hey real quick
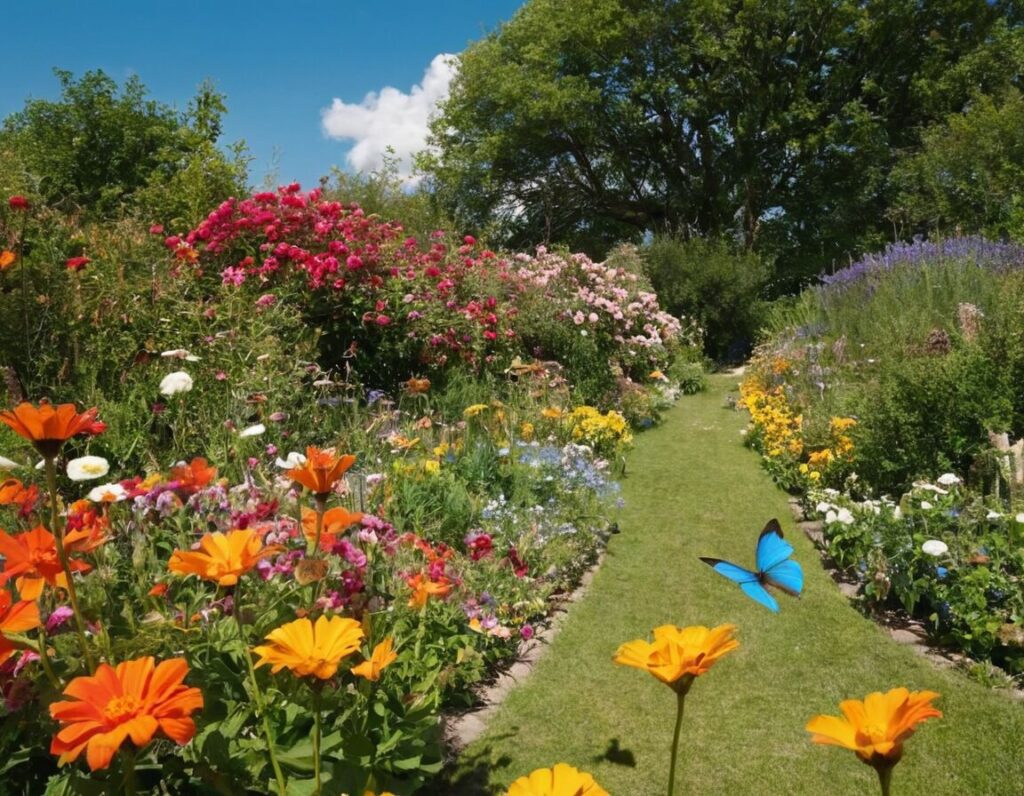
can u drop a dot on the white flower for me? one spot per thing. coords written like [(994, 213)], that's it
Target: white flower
[(252, 431), (293, 460), (926, 505), (176, 382), (86, 468), (897, 513), (180, 353), (107, 493), (930, 487), (831, 517), (7, 464), (934, 547), (845, 516), (948, 479), (993, 515), (822, 507), (1020, 518), (374, 478)]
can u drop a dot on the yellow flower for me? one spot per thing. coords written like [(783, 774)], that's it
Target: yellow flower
[(678, 655), (561, 780), (552, 413), (311, 649), (474, 410), (432, 466), (526, 431), (383, 655), (876, 728)]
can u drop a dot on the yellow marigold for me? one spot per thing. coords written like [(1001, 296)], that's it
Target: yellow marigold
[(561, 780), (474, 410), (678, 655), (311, 649)]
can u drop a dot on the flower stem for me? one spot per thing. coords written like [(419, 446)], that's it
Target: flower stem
[(57, 529), (128, 764), (321, 506), (680, 699), (257, 694), (44, 660), (885, 778), (316, 738)]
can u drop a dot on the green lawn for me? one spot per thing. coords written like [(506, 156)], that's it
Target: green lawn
[(692, 490)]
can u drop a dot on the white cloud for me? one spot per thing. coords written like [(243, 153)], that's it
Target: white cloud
[(390, 118)]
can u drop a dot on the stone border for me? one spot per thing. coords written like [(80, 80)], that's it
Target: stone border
[(459, 730), (902, 629)]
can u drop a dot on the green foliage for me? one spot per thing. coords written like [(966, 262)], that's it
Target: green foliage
[(706, 281), (929, 414), (101, 144), (968, 174), (776, 123)]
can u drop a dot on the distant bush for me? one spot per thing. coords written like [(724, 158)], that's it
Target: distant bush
[(719, 288)]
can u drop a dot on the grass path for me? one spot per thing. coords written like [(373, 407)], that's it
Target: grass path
[(693, 490)]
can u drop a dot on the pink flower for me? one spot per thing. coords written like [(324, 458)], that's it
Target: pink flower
[(354, 262), (469, 240), (383, 320), (526, 632), (61, 614), (266, 300), (221, 375), (156, 229)]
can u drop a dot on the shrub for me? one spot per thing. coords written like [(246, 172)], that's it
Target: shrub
[(706, 280)]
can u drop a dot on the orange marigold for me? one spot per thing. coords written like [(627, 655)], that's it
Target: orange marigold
[(15, 617), (48, 427), (31, 558), (321, 471), (134, 701), (221, 557)]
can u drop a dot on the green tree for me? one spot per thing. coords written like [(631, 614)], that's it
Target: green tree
[(100, 144), (776, 122)]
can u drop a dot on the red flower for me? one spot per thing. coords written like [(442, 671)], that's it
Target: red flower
[(18, 202), (77, 263)]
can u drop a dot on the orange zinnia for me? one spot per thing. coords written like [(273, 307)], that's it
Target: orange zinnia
[(132, 701), (383, 655), (222, 557), (417, 386), (7, 258), (194, 475), (15, 493), (336, 521), (877, 727), (678, 655), (311, 649), (48, 427), (32, 559), (15, 617), (423, 588), (562, 780), (321, 471)]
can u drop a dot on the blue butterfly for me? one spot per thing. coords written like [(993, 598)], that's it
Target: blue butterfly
[(774, 568)]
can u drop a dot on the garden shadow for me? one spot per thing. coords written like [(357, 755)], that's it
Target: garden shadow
[(617, 755), (470, 774)]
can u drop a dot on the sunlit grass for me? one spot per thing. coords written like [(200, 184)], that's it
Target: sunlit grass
[(693, 490)]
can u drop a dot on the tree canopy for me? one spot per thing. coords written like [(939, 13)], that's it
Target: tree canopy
[(102, 145), (775, 123)]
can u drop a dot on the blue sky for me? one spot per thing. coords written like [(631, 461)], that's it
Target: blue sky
[(280, 64)]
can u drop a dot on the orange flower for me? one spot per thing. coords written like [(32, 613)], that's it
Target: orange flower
[(678, 655), (195, 475), (311, 649), (159, 590), (86, 529), (423, 588), (562, 780), (48, 427), (32, 559), (383, 655), (15, 617), (417, 386), (877, 727), (336, 521), (15, 493), (321, 471), (7, 258), (222, 557), (132, 701)]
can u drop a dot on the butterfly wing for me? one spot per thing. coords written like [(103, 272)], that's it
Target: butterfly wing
[(774, 565), (772, 548), (731, 571), (759, 593), (747, 580)]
